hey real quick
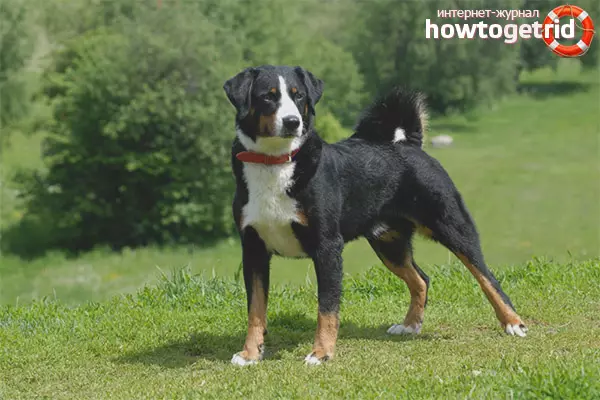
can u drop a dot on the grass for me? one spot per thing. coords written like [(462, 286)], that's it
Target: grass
[(175, 341), (528, 170), (137, 325)]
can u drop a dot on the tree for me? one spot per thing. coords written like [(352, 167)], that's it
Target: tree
[(16, 46), (140, 146), (592, 58), (65, 20), (300, 36), (293, 33), (391, 48), (534, 52)]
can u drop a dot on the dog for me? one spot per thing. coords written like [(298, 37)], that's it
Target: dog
[(298, 196)]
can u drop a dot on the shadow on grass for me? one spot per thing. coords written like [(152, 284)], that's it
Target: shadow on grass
[(542, 90), (287, 332)]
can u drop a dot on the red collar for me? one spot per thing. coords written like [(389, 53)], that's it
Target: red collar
[(259, 158)]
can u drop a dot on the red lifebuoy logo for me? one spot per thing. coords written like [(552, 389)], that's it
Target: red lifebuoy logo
[(551, 23)]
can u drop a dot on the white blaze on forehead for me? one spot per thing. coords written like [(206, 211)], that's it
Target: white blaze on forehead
[(286, 108)]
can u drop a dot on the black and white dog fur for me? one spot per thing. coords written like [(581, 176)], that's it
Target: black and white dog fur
[(378, 184)]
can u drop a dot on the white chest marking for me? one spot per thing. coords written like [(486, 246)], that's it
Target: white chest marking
[(269, 209)]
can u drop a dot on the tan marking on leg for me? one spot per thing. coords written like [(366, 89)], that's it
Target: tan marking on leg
[(416, 286), (388, 236), (505, 314), (424, 231), (421, 229), (266, 125), (302, 218), (257, 323), (326, 335)]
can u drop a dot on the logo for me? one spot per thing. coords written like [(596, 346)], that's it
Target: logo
[(551, 31)]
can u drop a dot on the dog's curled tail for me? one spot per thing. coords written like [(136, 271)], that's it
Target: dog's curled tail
[(400, 116)]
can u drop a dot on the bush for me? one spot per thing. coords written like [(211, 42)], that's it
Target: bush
[(591, 59), (535, 53), (330, 129), (251, 27), (16, 46), (343, 96), (457, 75), (262, 42), (139, 150)]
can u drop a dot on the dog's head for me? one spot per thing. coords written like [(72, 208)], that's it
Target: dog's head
[(275, 106)]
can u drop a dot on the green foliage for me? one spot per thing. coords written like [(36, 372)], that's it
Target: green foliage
[(534, 52), (16, 46), (391, 48), (277, 32), (261, 40), (137, 153), (330, 129), (344, 95), (138, 150), (63, 20), (591, 59)]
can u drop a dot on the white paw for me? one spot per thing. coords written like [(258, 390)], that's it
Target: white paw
[(400, 329), (312, 360), (239, 360), (516, 329)]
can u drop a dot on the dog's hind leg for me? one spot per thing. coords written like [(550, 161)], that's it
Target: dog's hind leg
[(457, 232), (394, 249)]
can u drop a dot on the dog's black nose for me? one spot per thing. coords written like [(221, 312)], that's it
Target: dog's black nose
[(291, 122)]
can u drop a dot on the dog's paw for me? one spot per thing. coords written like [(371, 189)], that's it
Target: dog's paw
[(518, 329), (400, 329), (314, 359), (239, 359)]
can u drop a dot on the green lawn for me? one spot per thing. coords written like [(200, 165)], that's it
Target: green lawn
[(528, 169), (176, 341)]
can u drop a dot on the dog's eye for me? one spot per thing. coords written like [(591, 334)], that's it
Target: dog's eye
[(270, 96), (299, 96)]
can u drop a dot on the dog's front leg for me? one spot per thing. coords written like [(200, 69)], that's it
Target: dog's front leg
[(255, 260), (328, 267)]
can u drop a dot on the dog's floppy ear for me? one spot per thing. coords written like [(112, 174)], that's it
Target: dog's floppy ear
[(314, 86), (238, 90)]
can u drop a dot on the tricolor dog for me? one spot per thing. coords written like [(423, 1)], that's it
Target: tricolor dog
[(298, 196)]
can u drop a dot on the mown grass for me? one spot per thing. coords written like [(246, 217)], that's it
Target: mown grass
[(176, 340), (528, 169)]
